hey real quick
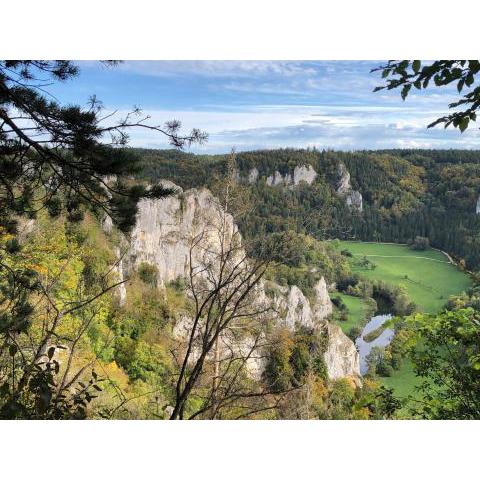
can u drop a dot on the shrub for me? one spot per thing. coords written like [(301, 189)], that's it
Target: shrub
[(148, 273), (354, 332), (339, 303), (420, 243)]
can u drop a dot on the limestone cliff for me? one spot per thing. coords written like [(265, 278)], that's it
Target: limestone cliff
[(293, 308), (252, 175), (353, 198), (341, 357), (166, 228), (163, 236), (301, 173)]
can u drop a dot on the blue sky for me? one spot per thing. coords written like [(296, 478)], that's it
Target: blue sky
[(262, 104)]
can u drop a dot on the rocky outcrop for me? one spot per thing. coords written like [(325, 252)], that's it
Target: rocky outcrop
[(252, 176), (353, 198), (166, 228), (301, 173), (25, 227), (341, 357), (304, 173), (278, 179), (477, 210), (291, 306), (323, 305), (248, 348), (294, 309), (343, 182), (107, 224)]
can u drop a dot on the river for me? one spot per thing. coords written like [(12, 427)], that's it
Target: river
[(382, 340)]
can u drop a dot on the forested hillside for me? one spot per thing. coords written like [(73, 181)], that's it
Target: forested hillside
[(406, 193)]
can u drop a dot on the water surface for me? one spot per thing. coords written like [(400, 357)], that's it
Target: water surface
[(382, 340)]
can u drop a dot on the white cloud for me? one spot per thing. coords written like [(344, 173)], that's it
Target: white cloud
[(218, 68), (300, 126)]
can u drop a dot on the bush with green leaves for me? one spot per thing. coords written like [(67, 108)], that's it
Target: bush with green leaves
[(148, 273)]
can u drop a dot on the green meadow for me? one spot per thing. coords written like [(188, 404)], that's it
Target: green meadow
[(427, 276), (356, 311)]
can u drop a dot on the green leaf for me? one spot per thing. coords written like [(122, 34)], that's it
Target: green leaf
[(405, 91), (463, 124), (469, 79), (416, 65)]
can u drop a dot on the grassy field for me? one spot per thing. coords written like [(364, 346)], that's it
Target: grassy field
[(427, 276), (356, 311)]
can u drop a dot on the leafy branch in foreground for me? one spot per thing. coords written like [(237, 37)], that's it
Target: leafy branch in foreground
[(446, 356), (405, 74), (66, 158)]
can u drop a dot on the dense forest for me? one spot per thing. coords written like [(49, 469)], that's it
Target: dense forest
[(406, 193)]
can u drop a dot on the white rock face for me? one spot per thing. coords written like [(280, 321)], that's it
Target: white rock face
[(293, 308), (165, 230), (303, 173), (252, 175), (341, 357), (25, 226), (107, 224), (353, 198), (323, 305), (343, 183), (275, 179), (247, 348), (477, 210)]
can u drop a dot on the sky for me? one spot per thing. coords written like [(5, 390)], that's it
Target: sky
[(250, 105)]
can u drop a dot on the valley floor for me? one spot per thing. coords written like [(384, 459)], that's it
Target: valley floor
[(429, 278)]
